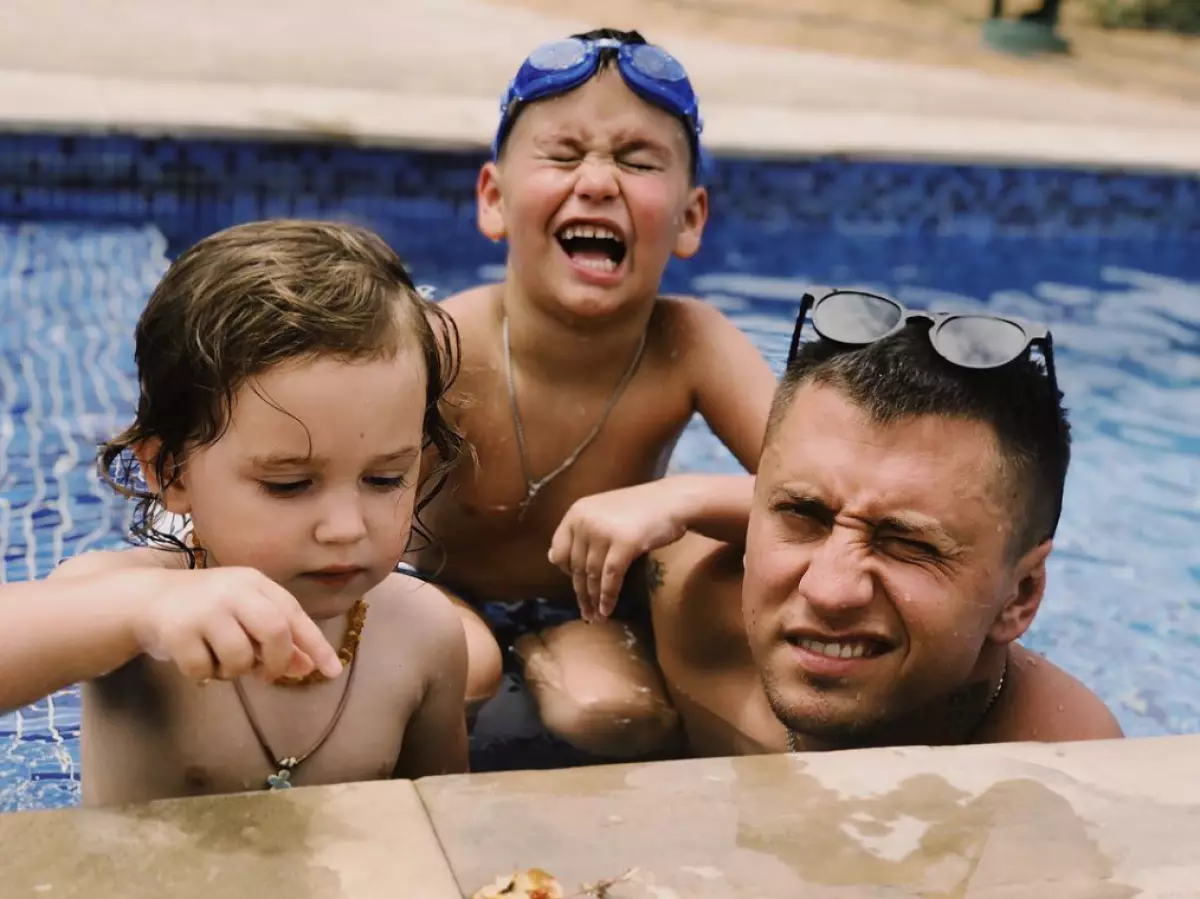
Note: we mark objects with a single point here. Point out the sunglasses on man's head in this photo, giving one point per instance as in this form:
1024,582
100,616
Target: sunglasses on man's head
969,340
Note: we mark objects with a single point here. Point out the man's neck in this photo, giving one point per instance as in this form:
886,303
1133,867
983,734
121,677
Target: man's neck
555,348
952,721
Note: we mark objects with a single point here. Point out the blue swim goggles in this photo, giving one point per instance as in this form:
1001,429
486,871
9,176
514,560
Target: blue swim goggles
555,68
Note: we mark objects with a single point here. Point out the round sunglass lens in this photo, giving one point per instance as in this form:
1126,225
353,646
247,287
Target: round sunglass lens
976,341
656,63
558,56
855,318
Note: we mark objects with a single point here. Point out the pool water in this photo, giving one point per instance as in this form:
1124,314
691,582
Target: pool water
1111,260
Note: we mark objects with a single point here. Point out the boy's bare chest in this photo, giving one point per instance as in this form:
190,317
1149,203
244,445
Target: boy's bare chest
579,439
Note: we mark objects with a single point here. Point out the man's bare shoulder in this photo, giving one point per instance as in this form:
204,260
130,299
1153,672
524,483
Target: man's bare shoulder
106,561
1048,705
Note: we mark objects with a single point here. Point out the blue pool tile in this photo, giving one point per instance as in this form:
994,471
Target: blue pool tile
1110,258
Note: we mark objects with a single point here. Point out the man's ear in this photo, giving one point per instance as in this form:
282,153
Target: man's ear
692,222
174,498
489,203
1028,586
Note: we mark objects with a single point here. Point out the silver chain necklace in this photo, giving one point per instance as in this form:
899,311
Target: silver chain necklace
534,487
793,742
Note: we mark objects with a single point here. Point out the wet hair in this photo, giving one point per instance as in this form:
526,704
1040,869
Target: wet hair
608,58
251,297
903,377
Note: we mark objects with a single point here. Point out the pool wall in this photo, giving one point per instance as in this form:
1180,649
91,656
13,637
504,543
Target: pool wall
118,206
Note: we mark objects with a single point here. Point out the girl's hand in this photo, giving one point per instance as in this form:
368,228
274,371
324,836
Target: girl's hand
226,622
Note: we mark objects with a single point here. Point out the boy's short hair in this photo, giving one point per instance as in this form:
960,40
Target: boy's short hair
248,298
608,57
903,376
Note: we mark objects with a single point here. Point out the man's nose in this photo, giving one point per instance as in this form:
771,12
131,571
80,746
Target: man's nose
836,581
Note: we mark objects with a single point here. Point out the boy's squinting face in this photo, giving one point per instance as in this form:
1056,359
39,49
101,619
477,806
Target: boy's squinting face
314,480
594,196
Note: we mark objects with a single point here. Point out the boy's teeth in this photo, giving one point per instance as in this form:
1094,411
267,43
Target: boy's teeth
836,650
590,231
599,263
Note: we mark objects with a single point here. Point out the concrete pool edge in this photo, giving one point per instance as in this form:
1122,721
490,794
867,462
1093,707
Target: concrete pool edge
67,103
1106,818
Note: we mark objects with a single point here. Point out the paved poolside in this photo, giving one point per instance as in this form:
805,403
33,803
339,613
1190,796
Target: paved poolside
431,71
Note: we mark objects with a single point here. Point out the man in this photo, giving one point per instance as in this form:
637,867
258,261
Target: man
909,489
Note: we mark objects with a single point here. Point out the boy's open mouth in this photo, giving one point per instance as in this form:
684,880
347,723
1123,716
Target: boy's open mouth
595,247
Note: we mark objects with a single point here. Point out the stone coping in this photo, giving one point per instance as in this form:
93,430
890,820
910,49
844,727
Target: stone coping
1101,820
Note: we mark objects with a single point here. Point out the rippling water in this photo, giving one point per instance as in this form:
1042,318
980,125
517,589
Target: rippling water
1123,607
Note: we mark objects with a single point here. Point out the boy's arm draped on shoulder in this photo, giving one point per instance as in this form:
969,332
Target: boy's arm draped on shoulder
732,382
435,738
76,625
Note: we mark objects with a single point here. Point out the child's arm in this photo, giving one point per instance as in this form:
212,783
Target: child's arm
98,611
733,388
734,385
435,739
63,630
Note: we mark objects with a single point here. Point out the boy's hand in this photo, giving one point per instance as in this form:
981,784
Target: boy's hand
225,622
601,535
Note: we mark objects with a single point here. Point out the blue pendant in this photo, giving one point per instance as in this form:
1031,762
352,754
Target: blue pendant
283,779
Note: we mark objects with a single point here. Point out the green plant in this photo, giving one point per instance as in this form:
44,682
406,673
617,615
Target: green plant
1181,16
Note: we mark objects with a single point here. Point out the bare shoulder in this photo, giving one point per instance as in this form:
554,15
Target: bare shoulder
1049,705
683,320
107,561
469,305
420,611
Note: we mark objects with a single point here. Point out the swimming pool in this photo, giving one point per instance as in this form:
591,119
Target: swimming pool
1111,260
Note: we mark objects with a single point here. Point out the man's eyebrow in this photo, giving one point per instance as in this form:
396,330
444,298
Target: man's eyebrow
915,526
903,524
805,502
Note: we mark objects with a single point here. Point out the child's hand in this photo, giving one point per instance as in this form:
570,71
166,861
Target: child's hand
226,622
601,536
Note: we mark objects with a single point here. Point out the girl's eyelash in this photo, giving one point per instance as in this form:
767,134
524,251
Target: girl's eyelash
388,483
292,488
276,488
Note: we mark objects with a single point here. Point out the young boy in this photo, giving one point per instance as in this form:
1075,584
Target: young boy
269,359
577,380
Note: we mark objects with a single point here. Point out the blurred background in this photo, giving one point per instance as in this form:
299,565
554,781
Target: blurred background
1037,160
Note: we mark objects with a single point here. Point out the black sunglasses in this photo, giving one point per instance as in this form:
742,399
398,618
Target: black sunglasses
968,340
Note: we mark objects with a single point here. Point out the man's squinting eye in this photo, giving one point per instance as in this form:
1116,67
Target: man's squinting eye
910,546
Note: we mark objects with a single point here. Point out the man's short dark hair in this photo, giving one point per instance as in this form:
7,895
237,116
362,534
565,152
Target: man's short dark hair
903,377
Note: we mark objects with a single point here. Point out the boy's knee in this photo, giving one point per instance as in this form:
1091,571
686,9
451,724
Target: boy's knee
485,664
610,718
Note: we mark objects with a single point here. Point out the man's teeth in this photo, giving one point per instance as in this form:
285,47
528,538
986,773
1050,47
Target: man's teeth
836,650
599,263
590,231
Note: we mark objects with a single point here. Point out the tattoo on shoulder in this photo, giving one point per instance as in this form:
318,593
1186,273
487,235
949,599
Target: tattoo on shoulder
654,574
